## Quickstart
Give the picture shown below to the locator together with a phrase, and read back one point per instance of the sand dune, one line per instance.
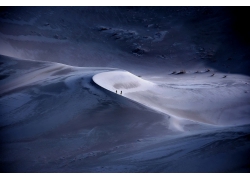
(196, 102)
(62, 118)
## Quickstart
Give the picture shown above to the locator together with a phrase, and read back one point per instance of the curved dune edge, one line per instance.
(124, 81)
(133, 87)
(179, 103)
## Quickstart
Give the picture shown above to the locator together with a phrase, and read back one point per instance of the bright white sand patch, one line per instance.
(122, 81)
(192, 100)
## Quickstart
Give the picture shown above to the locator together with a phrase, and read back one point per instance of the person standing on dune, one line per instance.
(116, 91)
(121, 92)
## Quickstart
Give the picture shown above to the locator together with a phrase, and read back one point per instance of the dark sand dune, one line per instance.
(146, 40)
(60, 108)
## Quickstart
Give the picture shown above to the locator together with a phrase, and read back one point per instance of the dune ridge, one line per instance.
(220, 108)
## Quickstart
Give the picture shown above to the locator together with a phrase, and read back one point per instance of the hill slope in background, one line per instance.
(148, 39)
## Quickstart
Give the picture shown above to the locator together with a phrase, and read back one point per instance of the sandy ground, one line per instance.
(217, 101)
(69, 119)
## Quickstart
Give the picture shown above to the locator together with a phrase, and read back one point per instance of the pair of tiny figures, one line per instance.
(116, 91)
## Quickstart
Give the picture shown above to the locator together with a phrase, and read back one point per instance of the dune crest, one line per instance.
(206, 104)
(122, 81)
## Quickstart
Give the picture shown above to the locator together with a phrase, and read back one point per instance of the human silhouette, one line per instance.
(121, 92)
(116, 91)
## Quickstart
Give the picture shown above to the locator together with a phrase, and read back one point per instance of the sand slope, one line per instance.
(221, 102)
(58, 118)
